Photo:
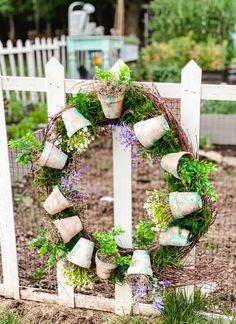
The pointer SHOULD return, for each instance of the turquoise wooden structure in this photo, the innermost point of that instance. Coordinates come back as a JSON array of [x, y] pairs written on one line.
[[91, 44]]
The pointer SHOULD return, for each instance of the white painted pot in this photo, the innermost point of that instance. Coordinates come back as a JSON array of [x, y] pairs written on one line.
[[52, 157], [104, 269], [175, 236], [56, 202], [170, 162], [141, 264], [151, 130], [74, 121], [68, 227], [184, 203], [82, 253]]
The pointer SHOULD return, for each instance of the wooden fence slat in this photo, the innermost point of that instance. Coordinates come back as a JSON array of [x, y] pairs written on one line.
[[7, 227], [44, 52], [122, 184], [191, 78], [62, 45], [12, 63], [55, 101], [31, 67], [19, 46], [39, 67], [49, 46], [3, 70], [56, 51]]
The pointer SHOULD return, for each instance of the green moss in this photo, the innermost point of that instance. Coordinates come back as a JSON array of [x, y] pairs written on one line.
[[47, 177], [169, 143], [166, 256]]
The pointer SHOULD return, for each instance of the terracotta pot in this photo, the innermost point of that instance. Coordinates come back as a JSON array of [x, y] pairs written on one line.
[[68, 227], [184, 203], [175, 236], [141, 264], [56, 202], [112, 105], [52, 157], [104, 269], [82, 253], [170, 162], [151, 130], [74, 121]]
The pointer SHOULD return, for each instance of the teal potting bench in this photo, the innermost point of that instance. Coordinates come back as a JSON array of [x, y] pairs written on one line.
[[91, 44]]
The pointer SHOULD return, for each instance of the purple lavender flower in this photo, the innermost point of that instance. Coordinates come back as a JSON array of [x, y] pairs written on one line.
[[126, 135], [164, 283], [158, 304], [140, 290]]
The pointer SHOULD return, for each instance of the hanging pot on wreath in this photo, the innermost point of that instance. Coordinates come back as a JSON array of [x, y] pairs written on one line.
[[104, 268], [74, 121], [170, 162], [175, 236], [140, 264], [56, 202], [151, 130], [52, 157], [68, 227], [82, 253], [184, 203], [112, 105]]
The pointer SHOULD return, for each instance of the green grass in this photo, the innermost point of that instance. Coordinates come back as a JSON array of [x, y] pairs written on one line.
[[8, 317]]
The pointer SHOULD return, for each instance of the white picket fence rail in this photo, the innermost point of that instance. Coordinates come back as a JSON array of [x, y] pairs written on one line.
[[29, 59], [54, 84]]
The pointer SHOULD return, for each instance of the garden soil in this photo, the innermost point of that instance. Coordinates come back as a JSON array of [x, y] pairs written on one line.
[[216, 249]]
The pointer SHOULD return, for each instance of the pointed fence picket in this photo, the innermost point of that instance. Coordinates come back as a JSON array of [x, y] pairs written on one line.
[[190, 91]]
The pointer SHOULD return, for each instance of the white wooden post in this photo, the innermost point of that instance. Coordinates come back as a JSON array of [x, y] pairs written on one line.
[[191, 77], [3, 70], [122, 177], [19, 46], [55, 101], [7, 226]]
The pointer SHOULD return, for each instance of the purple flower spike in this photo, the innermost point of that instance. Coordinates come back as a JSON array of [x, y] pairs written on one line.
[[126, 135], [158, 305], [164, 283]]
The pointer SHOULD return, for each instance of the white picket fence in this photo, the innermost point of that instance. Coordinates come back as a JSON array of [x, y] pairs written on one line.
[[54, 84], [29, 59]]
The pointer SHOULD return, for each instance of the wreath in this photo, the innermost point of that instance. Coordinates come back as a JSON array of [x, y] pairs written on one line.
[[177, 218]]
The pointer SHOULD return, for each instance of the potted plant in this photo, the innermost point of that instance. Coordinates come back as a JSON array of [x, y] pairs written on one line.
[[175, 236], [68, 227], [107, 257], [74, 121], [30, 150], [67, 193], [170, 162], [151, 130], [140, 264], [111, 89], [163, 208], [82, 253]]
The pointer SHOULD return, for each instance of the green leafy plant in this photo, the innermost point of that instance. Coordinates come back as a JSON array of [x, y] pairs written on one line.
[[28, 146], [46, 177], [80, 141], [158, 209], [38, 274], [144, 234], [195, 176], [55, 251], [111, 83], [108, 246], [9, 317], [78, 277]]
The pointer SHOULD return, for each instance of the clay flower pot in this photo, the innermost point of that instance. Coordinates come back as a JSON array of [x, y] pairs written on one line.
[[56, 202], [170, 162], [82, 253], [184, 203], [104, 269], [112, 105], [175, 236], [151, 130], [141, 264], [68, 227], [52, 157], [74, 121]]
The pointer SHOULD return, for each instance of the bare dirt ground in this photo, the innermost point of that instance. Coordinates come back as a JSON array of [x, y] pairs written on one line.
[[217, 248]]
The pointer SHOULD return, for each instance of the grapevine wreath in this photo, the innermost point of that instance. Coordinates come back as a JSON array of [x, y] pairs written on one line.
[[177, 219]]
